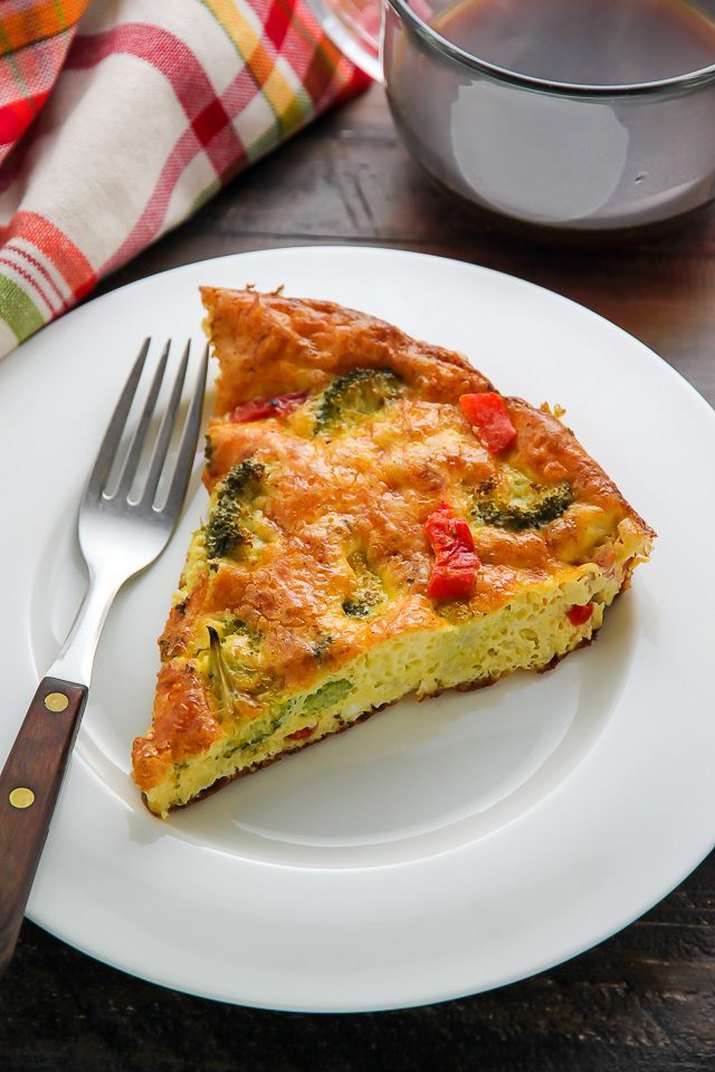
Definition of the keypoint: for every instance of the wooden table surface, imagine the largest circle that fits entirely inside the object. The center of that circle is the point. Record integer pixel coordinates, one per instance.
(643, 1001)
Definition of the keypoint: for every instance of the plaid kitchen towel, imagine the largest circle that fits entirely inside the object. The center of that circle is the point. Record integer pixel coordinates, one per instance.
(119, 118)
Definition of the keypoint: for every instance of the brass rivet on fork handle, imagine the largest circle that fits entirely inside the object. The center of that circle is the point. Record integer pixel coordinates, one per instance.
(21, 797)
(56, 701)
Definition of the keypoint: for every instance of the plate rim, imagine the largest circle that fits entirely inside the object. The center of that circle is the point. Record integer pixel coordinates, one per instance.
(43, 917)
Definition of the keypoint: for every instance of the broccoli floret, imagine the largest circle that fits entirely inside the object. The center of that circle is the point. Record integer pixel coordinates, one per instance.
(360, 392)
(357, 608)
(322, 647)
(242, 480)
(544, 505)
(225, 531)
(218, 672)
(208, 450)
(235, 626)
(328, 694)
(368, 591)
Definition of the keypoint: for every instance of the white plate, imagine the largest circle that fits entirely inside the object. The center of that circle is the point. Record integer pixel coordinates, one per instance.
(438, 849)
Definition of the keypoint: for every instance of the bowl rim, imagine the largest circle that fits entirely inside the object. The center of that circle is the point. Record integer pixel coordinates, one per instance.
(687, 82)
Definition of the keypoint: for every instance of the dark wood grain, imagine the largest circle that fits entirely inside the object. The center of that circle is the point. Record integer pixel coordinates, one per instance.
(29, 784)
(643, 1001)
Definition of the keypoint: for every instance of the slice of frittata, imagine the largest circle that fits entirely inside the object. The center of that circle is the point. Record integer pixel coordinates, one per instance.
(381, 521)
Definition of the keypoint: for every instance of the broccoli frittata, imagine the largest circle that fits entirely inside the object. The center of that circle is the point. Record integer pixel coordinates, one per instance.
(380, 521)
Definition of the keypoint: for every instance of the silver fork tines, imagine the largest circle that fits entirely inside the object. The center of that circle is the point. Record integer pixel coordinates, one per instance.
(120, 532)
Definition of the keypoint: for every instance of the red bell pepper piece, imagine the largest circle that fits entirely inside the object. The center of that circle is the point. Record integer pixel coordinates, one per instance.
(579, 614)
(487, 413)
(260, 408)
(299, 735)
(454, 571)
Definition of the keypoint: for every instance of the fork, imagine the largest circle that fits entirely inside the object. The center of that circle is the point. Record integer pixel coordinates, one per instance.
(125, 521)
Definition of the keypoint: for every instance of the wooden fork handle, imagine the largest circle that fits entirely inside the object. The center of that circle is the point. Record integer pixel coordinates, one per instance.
(29, 784)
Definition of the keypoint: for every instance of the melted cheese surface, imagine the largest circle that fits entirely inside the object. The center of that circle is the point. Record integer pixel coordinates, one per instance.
(319, 612)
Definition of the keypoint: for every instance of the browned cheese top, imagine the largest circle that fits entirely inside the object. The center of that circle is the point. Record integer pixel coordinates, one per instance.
(335, 518)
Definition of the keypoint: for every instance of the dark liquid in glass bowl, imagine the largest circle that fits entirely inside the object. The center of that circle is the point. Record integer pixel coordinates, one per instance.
(591, 42)
(542, 152)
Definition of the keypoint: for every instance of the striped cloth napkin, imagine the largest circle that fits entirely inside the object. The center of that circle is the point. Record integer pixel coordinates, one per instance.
(119, 118)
